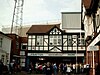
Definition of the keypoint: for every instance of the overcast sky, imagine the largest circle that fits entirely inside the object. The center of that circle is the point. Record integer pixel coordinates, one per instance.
(38, 11)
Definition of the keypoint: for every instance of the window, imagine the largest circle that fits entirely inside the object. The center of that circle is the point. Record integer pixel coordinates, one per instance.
(69, 40)
(39, 40)
(22, 52)
(17, 45)
(29, 48)
(24, 46)
(2, 58)
(55, 40)
(29, 42)
(97, 21)
(81, 41)
(22, 62)
(30, 36)
(1, 42)
(59, 40)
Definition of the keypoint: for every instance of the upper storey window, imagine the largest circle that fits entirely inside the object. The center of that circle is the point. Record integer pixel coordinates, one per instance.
(55, 40)
(23, 46)
(39, 40)
(69, 40)
(1, 42)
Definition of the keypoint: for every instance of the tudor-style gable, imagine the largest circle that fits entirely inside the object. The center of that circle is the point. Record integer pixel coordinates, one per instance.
(45, 38)
(55, 40)
(55, 30)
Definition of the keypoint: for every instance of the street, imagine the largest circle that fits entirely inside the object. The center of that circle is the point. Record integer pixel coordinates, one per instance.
(25, 73)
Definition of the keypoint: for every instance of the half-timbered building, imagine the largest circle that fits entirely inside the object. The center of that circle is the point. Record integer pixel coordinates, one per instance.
(92, 26)
(50, 43)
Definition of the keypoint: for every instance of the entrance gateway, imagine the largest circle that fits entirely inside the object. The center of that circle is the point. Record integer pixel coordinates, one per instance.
(55, 57)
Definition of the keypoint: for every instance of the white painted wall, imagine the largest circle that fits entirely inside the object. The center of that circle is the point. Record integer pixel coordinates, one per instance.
(6, 44)
(88, 24)
(5, 49)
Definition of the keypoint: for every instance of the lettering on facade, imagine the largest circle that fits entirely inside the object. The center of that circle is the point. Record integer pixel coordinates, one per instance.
(71, 54)
(35, 54)
(55, 54)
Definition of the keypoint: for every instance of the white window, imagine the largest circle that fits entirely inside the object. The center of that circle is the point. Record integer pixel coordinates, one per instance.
(22, 62)
(1, 42)
(39, 40)
(55, 40)
(30, 36)
(29, 48)
(29, 42)
(59, 40)
(69, 41)
(3, 58)
(22, 52)
(81, 41)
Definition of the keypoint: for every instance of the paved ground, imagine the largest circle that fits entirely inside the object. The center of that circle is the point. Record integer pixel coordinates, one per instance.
(25, 73)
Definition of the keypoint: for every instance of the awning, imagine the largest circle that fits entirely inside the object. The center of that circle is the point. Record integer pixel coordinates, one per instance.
(94, 45)
(95, 41)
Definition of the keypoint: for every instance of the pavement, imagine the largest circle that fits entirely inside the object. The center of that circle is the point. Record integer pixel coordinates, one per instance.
(25, 73)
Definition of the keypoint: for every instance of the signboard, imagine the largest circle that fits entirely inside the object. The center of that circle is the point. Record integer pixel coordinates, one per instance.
(92, 48)
(96, 40)
(56, 54)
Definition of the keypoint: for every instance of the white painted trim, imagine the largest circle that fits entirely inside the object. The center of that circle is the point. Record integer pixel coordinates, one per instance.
(97, 39)
(92, 48)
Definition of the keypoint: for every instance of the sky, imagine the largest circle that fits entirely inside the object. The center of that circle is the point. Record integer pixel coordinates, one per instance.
(38, 11)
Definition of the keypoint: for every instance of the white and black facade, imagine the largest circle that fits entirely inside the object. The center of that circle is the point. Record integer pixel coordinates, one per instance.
(50, 43)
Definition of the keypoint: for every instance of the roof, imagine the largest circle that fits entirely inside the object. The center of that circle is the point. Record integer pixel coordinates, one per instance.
(2, 33)
(5, 35)
(91, 6)
(23, 39)
(41, 29)
(87, 3)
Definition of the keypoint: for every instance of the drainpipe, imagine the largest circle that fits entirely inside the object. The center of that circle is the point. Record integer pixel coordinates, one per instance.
(94, 23)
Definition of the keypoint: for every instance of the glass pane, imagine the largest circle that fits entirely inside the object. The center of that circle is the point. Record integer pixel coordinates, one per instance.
(29, 48)
(29, 36)
(29, 42)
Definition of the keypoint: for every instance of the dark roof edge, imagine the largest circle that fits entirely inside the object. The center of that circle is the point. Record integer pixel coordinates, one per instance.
(71, 12)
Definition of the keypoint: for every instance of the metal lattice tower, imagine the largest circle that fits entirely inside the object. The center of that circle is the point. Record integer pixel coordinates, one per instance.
(17, 17)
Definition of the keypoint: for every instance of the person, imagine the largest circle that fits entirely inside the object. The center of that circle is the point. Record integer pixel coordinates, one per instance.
(1, 67)
(48, 69)
(87, 68)
(73, 68)
(97, 70)
(36, 67)
(69, 70)
(44, 66)
(30, 67)
(55, 69)
(40, 68)
(11, 68)
(62, 68)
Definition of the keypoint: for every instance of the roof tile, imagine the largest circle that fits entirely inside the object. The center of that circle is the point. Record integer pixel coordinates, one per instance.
(41, 29)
